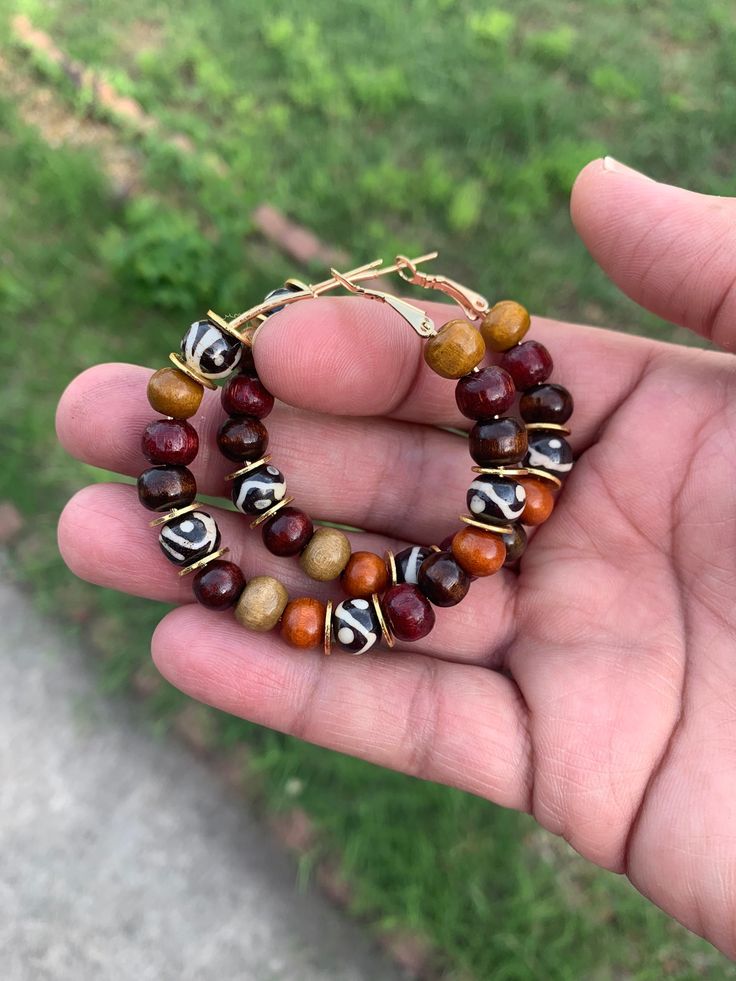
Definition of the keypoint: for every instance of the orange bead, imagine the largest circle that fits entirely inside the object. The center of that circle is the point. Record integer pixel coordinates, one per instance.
(303, 622)
(364, 575)
(540, 500)
(477, 552)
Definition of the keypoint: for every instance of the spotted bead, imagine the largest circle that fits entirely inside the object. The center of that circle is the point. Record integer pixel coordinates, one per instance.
(189, 537)
(408, 562)
(495, 499)
(550, 451)
(209, 351)
(257, 491)
(356, 626)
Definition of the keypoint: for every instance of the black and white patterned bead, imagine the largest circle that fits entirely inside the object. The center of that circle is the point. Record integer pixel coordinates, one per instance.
(356, 626)
(492, 498)
(259, 490)
(209, 351)
(189, 537)
(285, 290)
(408, 562)
(548, 450)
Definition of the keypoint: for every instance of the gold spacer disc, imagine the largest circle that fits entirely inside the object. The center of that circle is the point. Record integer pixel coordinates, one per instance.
(435, 548)
(194, 375)
(548, 425)
(499, 529)
(390, 561)
(170, 515)
(251, 466)
(271, 511)
(544, 475)
(300, 285)
(328, 628)
(502, 471)
(387, 636)
(201, 563)
(223, 325)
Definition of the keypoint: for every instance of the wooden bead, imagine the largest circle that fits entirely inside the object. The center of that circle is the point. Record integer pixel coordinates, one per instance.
(170, 441)
(515, 542)
(528, 364)
(246, 395)
(442, 580)
(166, 488)
(364, 575)
(261, 603)
(504, 325)
(287, 531)
(408, 611)
(540, 500)
(172, 393)
(242, 439)
(497, 442)
(303, 622)
(479, 553)
(455, 350)
(546, 403)
(326, 554)
(218, 585)
(486, 393)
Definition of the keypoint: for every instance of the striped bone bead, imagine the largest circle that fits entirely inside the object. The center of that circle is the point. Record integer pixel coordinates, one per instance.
(189, 537)
(259, 490)
(210, 351)
(549, 450)
(491, 498)
(356, 626)
(408, 562)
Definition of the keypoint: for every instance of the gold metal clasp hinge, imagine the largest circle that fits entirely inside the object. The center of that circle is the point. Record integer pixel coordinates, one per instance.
(473, 304)
(416, 318)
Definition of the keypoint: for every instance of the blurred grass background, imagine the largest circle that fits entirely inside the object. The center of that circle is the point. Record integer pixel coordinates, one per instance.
(383, 127)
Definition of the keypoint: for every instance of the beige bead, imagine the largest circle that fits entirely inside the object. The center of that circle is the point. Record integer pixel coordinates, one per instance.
(326, 554)
(455, 350)
(261, 603)
(504, 325)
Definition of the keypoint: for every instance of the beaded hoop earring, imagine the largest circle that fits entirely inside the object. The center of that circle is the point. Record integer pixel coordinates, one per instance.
(519, 468)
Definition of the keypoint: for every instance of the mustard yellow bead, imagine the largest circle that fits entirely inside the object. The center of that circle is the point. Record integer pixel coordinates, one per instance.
(504, 325)
(326, 554)
(261, 603)
(455, 350)
(172, 393)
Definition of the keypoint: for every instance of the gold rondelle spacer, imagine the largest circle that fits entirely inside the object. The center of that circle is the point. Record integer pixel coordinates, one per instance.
(387, 635)
(556, 426)
(201, 563)
(502, 471)
(249, 467)
(328, 628)
(271, 511)
(391, 563)
(435, 548)
(499, 529)
(544, 475)
(170, 515)
(194, 375)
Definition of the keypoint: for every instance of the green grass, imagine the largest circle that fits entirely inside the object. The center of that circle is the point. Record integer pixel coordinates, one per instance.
(384, 127)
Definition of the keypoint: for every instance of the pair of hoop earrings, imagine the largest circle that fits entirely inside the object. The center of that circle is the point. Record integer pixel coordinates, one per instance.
(519, 467)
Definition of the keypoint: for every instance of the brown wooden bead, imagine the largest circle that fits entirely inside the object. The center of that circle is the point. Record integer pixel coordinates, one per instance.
(303, 622)
(540, 500)
(546, 403)
(165, 488)
(326, 554)
(515, 541)
(242, 438)
(364, 575)
(442, 580)
(287, 531)
(504, 325)
(498, 442)
(218, 585)
(455, 350)
(172, 393)
(479, 553)
(261, 603)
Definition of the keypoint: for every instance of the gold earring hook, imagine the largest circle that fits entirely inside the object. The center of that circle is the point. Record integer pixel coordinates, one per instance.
(473, 304)
(416, 318)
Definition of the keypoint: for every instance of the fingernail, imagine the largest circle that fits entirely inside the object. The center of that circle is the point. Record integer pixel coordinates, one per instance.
(616, 167)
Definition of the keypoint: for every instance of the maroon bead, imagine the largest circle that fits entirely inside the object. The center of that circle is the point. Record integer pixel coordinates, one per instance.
(287, 532)
(246, 395)
(486, 393)
(242, 438)
(442, 580)
(170, 441)
(164, 488)
(409, 613)
(515, 542)
(247, 364)
(498, 442)
(446, 543)
(546, 403)
(528, 364)
(218, 585)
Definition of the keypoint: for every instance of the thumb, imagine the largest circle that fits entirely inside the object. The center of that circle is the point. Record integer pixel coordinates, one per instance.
(673, 251)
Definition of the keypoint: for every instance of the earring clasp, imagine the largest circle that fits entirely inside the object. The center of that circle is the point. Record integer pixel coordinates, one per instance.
(473, 304)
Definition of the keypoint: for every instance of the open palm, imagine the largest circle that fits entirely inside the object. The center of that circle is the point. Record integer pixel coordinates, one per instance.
(596, 688)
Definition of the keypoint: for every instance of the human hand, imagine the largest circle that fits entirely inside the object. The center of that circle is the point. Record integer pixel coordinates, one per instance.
(596, 688)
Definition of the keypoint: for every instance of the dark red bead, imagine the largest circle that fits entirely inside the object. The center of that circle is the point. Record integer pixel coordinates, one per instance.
(442, 580)
(164, 488)
(287, 532)
(446, 543)
(515, 542)
(410, 615)
(218, 585)
(247, 364)
(528, 364)
(242, 438)
(246, 395)
(498, 442)
(546, 403)
(485, 393)
(170, 441)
